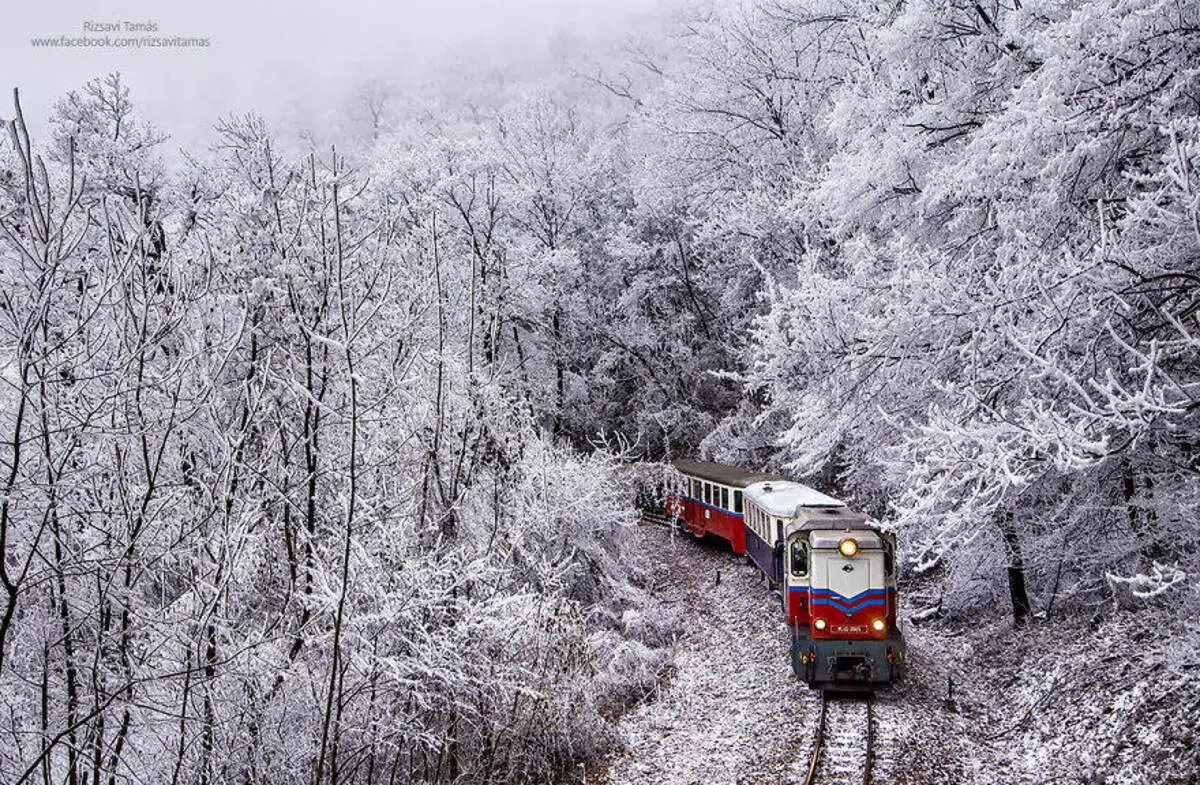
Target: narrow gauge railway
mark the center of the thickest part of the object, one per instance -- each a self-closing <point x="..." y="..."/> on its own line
<point x="834" y="570"/>
<point x="842" y="751"/>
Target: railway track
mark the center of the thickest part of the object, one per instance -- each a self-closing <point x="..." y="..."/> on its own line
<point x="843" y="750"/>
<point x="842" y="753"/>
<point x="656" y="519"/>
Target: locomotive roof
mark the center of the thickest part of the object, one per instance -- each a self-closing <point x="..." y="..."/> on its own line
<point x="866" y="538"/>
<point x="781" y="498"/>
<point x="830" y="519"/>
<point x="734" y="476"/>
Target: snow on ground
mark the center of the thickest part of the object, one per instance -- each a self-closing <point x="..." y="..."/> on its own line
<point x="1063" y="702"/>
<point x="731" y="711"/>
<point x="923" y="738"/>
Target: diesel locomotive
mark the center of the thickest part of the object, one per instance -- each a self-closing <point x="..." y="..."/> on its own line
<point x="834" y="570"/>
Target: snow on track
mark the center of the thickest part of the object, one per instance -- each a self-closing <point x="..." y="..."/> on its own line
<point x="845" y="744"/>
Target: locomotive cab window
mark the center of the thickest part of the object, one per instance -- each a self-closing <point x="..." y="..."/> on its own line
<point x="799" y="558"/>
<point x="889" y="556"/>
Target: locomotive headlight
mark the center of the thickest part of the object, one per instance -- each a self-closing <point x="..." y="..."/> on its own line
<point x="819" y="624"/>
<point x="878" y="625"/>
<point x="848" y="547"/>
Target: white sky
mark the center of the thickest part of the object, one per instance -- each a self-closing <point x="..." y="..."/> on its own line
<point x="279" y="58"/>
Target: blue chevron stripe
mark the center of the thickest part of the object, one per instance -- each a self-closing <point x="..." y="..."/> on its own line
<point x="848" y="609"/>
<point x="834" y="595"/>
<point x="868" y="598"/>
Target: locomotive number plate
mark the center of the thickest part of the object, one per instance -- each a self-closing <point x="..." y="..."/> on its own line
<point x="848" y="629"/>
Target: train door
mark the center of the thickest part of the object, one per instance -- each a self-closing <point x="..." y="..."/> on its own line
<point x="796" y="579"/>
<point x="777" y="557"/>
<point x="691" y="510"/>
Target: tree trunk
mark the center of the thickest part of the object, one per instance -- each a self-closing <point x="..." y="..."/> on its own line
<point x="1017" y="592"/>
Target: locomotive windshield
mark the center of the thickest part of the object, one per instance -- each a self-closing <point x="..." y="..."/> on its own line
<point x="799" y="558"/>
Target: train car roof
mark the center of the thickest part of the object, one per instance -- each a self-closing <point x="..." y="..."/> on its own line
<point x="782" y="498"/>
<point x="734" y="476"/>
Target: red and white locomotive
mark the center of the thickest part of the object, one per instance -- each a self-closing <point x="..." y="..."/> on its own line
<point x="835" y="571"/>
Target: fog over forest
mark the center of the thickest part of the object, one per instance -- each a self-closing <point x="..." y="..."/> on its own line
<point x="299" y="66"/>
<point x="342" y="357"/>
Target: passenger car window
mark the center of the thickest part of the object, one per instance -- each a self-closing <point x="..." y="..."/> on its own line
<point x="737" y="501"/>
<point x="725" y="498"/>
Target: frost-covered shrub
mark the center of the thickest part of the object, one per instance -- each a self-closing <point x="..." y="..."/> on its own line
<point x="630" y="673"/>
<point x="657" y="626"/>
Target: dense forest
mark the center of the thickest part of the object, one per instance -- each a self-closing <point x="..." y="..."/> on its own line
<point x="315" y="454"/>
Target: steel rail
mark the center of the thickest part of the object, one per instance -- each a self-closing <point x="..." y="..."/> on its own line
<point x="870" y="751"/>
<point x="819" y="743"/>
